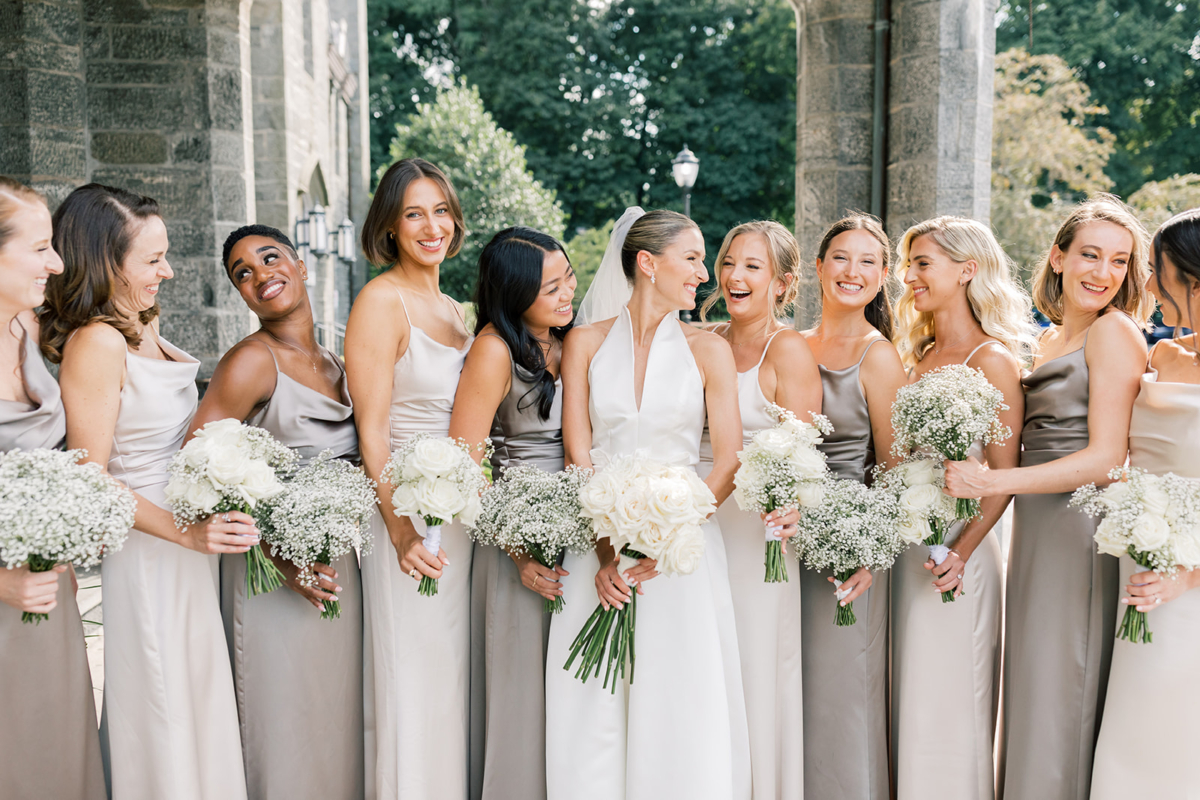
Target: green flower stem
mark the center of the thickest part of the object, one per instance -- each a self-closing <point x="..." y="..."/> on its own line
<point x="608" y="632"/>
<point x="428" y="587"/>
<point x="845" y="613"/>
<point x="262" y="576"/>
<point x="38" y="564"/>
<point x="776" y="566"/>
<point x="554" y="606"/>
<point x="1134" y="627"/>
<point x="939" y="537"/>
<point x="332" y="609"/>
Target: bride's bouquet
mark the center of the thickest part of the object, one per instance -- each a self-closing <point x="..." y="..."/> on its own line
<point x="947" y="411"/>
<point x="323" y="513"/>
<point x="926" y="511"/>
<point x="1155" y="519"/>
<point x="854" y="526"/>
<point x="230" y="466"/>
<point x="54" y="510"/>
<point x="538" y="513"/>
<point x="646" y="509"/>
<point x="436" y="479"/>
<point x="782" y="468"/>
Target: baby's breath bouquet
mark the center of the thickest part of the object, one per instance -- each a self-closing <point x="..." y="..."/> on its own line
<point x="782" y="468"/>
<point x="54" y="510"/>
<point x="854" y="526"/>
<point x="436" y="479"/>
<point x="926" y="511"/>
<point x="1155" y="519"/>
<point x="946" y="411"/>
<point x="323" y="513"/>
<point x="538" y="513"/>
<point x="646" y="509"/>
<point x="230" y="466"/>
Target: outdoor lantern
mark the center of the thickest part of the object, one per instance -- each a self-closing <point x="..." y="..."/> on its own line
<point x="685" y="167"/>
<point x="346" y="241"/>
<point x="302" y="238"/>
<point x="318" y="233"/>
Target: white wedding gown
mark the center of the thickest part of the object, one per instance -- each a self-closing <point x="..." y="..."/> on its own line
<point x="679" y="730"/>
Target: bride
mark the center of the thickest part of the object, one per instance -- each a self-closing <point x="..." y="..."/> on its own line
<point x="644" y="381"/>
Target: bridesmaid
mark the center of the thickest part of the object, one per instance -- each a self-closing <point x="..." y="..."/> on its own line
<point x="960" y="306"/>
<point x="758" y="270"/>
<point x="1061" y="593"/>
<point x="278" y="378"/>
<point x="510" y="388"/>
<point x="50" y="748"/>
<point x="405" y="347"/>
<point x="169" y="726"/>
<point x="846" y="669"/>
<point x="1147" y="740"/>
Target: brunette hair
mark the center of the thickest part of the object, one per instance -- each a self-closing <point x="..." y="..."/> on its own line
<point x="783" y="253"/>
<point x="378" y="242"/>
<point x="653" y="232"/>
<point x="1179" y="239"/>
<point x="510" y="278"/>
<point x="93" y="229"/>
<point x="879" y="311"/>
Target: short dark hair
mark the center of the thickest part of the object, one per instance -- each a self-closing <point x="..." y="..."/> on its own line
<point x="253" y="230"/>
<point x="378" y="246"/>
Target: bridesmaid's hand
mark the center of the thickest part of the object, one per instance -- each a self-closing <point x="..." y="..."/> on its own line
<point x="967" y="479"/>
<point x="857" y="584"/>
<point x="1149" y="590"/>
<point x="412" y="554"/>
<point x="948" y="576"/>
<point x="318" y="594"/>
<point x="227" y="532"/>
<point x="783" y="518"/>
<point x="610" y="588"/>
<point x="31" y="592"/>
<point x="540" y="579"/>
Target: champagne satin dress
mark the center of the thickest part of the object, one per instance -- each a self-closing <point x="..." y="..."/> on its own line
<point x="1151" y="729"/>
<point x="49" y="747"/>
<point x="299" y="677"/>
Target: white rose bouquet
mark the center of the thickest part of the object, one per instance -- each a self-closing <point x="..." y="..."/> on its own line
<point x="437" y="480"/>
<point x="538" y="513"/>
<point x="54" y="510"/>
<point x="230" y="466"/>
<point x="946" y="411"/>
<point x="646" y="509"/>
<point x="855" y="526"/>
<point x="782" y="468"/>
<point x="323" y="513"/>
<point x="926" y="511"/>
<point x="1153" y="518"/>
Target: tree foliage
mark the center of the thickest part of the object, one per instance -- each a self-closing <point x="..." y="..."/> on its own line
<point x="1158" y="201"/>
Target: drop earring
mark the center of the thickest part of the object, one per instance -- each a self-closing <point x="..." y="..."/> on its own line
<point x="652" y="277"/>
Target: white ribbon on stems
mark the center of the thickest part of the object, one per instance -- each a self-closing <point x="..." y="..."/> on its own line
<point x="841" y="594"/>
<point x="939" y="553"/>
<point x="773" y="533"/>
<point x="433" y="538"/>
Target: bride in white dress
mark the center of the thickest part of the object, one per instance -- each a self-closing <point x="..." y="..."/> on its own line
<point x="644" y="381"/>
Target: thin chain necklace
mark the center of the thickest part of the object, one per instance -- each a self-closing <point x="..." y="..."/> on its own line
<point x="766" y="332"/>
<point x="937" y="350"/>
<point x="294" y="347"/>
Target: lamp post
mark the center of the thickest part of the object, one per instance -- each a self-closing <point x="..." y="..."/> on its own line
<point x="346" y="241"/>
<point x="685" y="167"/>
<point x="318" y="232"/>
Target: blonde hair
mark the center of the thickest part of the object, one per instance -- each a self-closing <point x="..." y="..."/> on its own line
<point x="998" y="303"/>
<point x="782" y="251"/>
<point x="13" y="194"/>
<point x="1132" y="297"/>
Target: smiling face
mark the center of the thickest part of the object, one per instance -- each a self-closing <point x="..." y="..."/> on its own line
<point x="933" y="277"/>
<point x="144" y="268"/>
<point x="748" y="280"/>
<point x="853" y="270"/>
<point x="552" y="308"/>
<point x="1094" y="266"/>
<point x="27" y="259"/>
<point x="679" y="270"/>
<point x="425" y="227"/>
<point x="268" y="276"/>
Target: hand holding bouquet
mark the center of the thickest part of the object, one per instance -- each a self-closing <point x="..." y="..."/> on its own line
<point x="926" y="511"/>
<point x="947" y="411"/>
<point x="782" y="468"/>
<point x="853" y="527"/>
<point x="54" y="510"/>
<point x="1155" y="519"/>
<point x="435" y="479"/>
<point x="230" y="466"/>
<point x="538" y="513"/>
<point x="323" y="513"/>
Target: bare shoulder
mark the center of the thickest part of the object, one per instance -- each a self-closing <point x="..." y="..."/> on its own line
<point x="1115" y="328"/>
<point x="378" y="296"/>
<point x="96" y="340"/>
<point x="882" y="354"/>
<point x="788" y="346"/>
<point x="702" y="340"/>
<point x="491" y="347"/>
<point x="588" y="338"/>
<point x="996" y="360"/>
<point x="251" y="355"/>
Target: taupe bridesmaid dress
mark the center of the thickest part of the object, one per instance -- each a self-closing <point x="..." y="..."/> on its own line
<point x="1151" y="729"/>
<point x="509" y="629"/>
<point x="1061" y="610"/>
<point x="49" y="747"/>
<point x="299" y="678"/>
<point x="845" y="669"/>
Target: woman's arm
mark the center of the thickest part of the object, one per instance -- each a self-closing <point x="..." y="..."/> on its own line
<point x="881" y="375"/>
<point x="719" y="372"/>
<point x="790" y="377"/>
<point x="91" y="377"/>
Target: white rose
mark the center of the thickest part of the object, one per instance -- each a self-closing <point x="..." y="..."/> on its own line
<point x="1186" y="544"/>
<point x="669" y="501"/>
<point x="434" y="458"/>
<point x="810" y="495"/>
<point x="1109" y="539"/>
<point x="598" y="495"/>
<point x="774" y="441"/>
<point x="808" y="462"/>
<point x="404" y="500"/>
<point x="223" y="433"/>
<point x="227" y="467"/>
<point x="801" y="430"/>
<point x="914" y="530"/>
<point x="261" y="482"/>
<point x="1116" y="494"/>
<point x="439" y="499"/>
<point x="197" y="452"/>
<point x="683" y="552"/>
<point x="470" y="513"/>
<point x="703" y="501"/>
<point x="920" y="473"/>
<point x="1149" y="532"/>
<point x="630" y="512"/>
<point x="921" y="499"/>
<point x="1155" y="500"/>
<point x="200" y="495"/>
<point x="652" y="539"/>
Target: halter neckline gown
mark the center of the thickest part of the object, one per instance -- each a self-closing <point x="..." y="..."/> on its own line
<point x="50" y="747"/>
<point x="767" y="616"/>
<point x="1147" y="742"/>
<point x="299" y="677"/>
<point x="679" y="729"/>
<point x="417" y="650"/>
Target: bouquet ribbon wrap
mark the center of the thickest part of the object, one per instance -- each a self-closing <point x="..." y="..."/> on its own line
<point x="773" y="533"/>
<point x="433" y="538"/>
<point x="939" y="553"/>
<point x="841" y="593"/>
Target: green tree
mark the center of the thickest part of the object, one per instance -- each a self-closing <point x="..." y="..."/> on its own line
<point x="488" y="170"/>
<point x="1158" y="201"/>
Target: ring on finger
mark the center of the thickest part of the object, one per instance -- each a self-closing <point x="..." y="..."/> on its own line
<point x="535" y="580"/>
<point x="1157" y="599"/>
<point x="960" y="576"/>
<point x="412" y="573"/>
<point x="226" y="518"/>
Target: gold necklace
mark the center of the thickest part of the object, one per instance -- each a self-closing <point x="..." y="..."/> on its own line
<point x="937" y="350"/>
<point x="294" y="347"/>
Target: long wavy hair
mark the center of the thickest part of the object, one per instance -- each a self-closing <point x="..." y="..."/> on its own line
<point x="510" y="278"/>
<point x="998" y="303"/>
<point x="879" y="311"/>
<point x="93" y="229"/>
<point x="784" y="255"/>
<point x="1179" y="239"/>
